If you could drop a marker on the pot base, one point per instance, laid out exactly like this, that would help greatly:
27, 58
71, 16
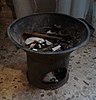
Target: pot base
47, 86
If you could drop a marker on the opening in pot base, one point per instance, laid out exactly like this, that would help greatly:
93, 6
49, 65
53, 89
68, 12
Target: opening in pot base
61, 75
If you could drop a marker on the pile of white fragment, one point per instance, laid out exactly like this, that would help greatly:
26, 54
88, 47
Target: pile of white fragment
36, 43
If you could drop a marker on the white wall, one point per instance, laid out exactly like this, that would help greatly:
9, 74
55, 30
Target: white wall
75, 8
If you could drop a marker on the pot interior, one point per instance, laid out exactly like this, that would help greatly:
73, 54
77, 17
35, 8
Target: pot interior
38, 23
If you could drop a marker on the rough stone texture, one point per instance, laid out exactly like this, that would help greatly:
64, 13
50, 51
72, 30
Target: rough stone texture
80, 86
14, 85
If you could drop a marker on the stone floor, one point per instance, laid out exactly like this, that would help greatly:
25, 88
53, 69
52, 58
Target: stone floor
14, 85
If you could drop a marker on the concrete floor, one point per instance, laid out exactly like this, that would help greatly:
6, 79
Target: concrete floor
14, 85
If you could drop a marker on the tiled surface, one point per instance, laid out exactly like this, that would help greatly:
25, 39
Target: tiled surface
14, 85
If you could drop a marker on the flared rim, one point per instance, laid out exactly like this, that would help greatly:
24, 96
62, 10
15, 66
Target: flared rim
50, 53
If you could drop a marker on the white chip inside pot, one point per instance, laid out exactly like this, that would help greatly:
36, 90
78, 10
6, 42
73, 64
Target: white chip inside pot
39, 46
35, 49
48, 42
32, 39
49, 31
56, 48
32, 45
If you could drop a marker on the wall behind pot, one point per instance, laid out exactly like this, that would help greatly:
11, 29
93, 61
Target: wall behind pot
27, 7
43, 5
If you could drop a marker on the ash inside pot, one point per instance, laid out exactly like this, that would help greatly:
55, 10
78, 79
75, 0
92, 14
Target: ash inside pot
52, 39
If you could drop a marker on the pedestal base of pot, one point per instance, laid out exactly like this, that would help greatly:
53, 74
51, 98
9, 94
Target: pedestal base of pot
39, 65
40, 84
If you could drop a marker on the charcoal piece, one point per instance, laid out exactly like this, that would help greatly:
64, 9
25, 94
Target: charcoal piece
36, 46
40, 35
47, 48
